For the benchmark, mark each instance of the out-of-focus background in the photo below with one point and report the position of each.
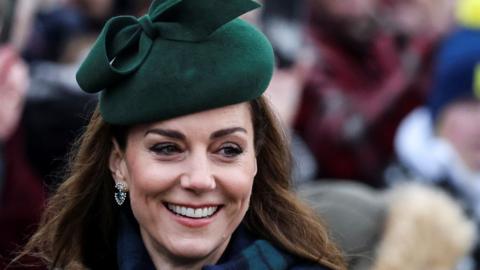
(380, 98)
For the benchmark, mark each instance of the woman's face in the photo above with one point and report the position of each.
(190, 180)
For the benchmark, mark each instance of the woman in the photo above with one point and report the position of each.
(182, 165)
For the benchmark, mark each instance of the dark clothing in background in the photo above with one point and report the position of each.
(52, 31)
(53, 120)
(354, 99)
(22, 199)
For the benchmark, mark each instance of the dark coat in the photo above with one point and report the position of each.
(244, 252)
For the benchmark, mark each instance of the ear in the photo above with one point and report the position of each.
(256, 167)
(117, 164)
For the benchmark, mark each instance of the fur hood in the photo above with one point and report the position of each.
(424, 229)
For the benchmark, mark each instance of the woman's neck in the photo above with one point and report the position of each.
(165, 260)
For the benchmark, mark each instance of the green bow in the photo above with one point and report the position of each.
(125, 41)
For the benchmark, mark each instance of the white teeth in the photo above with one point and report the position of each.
(198, 213)
(192, 212)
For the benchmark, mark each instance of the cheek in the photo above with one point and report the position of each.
(239, 189)
(464, 136)
(453, 126)
(462, 133)
(147, 183)
(147, 179)
(237, 192)
(238, 183)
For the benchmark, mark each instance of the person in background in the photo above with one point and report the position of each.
(410, 226)
(59, 26)
(21, 190)
(425, 228)
(183, 165)
(439, 143)
(56, 109)
(420, 19)
(363, 82)
(283, 23)
(14, 83)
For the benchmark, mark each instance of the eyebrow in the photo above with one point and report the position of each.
(224, 132)
(180, 136)
(167, 133)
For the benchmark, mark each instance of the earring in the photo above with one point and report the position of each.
(120, 193)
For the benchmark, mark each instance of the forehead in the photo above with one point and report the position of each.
(234, 115)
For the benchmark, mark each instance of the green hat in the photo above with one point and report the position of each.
(183, 56)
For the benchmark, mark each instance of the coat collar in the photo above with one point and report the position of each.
(245, 251)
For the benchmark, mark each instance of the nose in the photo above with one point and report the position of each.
(198, 175)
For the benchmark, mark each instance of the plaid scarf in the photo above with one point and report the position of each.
(244, 252)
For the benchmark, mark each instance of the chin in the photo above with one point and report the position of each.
(194, 249)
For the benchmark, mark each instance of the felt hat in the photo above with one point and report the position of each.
(182, 57)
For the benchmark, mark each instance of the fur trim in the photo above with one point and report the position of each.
(425, 229)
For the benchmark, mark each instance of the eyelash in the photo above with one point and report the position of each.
(166, 149)
(228, 150)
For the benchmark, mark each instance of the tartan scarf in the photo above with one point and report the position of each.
(244, 252)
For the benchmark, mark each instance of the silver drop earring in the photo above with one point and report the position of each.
(120, 193)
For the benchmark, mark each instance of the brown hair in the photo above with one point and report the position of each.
(78, 228)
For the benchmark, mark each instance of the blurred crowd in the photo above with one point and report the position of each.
(381, 100)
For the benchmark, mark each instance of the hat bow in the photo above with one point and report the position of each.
(126, 41)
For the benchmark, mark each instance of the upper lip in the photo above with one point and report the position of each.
(189, 205)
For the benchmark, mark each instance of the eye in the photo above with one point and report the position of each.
(230, 150)
(166, 149)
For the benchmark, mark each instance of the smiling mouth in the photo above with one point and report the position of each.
(190, 212)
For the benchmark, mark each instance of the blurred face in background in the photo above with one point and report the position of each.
(351, 18)
(349, 9)
(97, 9)
(413, 17)
(459, 124)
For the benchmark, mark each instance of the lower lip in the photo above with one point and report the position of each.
(193, 222)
